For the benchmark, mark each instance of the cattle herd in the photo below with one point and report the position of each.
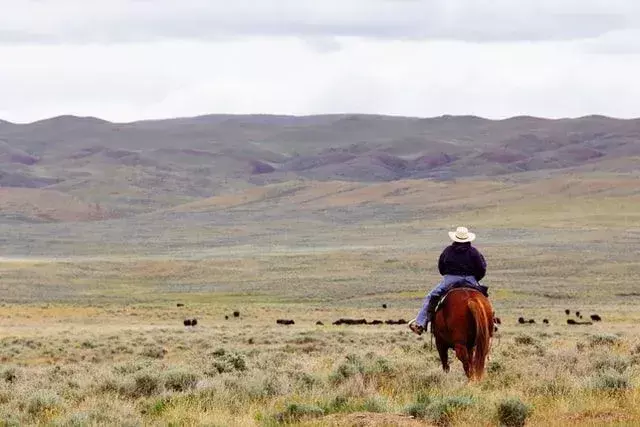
(570, 321)
(347, 321)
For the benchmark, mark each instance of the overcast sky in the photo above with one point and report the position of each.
(124, 60)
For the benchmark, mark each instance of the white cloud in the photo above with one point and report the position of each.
(125, 60)
(86, 21)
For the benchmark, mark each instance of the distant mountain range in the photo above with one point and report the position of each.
(102, 170)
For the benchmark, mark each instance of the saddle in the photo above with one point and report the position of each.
(458, 285)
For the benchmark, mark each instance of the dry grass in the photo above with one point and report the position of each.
(99, 340)
(111, 349)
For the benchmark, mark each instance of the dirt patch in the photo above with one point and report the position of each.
(367, 419)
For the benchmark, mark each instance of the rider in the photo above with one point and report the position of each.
(459, 262)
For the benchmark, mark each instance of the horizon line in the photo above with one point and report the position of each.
(344, 114)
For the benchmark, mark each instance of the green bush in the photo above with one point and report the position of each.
(180, 380)
(512, 412)
(44, 403)
(611, 381)
(296, 412)
(145, 384)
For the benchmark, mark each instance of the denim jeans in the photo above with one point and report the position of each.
(445, 284)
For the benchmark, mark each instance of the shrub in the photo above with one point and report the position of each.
(606, 362)
(154, 352)
(375, 404)
(417, 409)
(296, 412)
(350, 367)
(438, 410)
(44, 403)
(611, 381)
(145, 384)
(495, 367)
(9, 374)
(524, 339)
(441, 410)
(513, 412)
(180, 380)
(228, 362)
(604, 339)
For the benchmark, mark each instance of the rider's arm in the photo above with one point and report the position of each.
(441, 267)
(480, 267)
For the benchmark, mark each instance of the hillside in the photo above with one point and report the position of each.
(148, 166)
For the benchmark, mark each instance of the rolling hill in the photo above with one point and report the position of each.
(339, 169)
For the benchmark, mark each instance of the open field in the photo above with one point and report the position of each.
(91, 334)
(99, 340)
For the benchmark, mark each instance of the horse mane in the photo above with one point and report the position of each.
(483, 337)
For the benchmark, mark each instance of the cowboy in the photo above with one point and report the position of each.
(460, 264)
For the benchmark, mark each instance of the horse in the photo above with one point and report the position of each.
(464, 323)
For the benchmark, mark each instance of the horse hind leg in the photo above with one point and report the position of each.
(463, 355)
(443, 351)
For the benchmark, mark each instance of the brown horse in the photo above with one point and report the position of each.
(464, 323)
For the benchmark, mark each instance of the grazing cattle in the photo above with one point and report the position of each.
(532, 321)
(226, 317)
(376, 322)
(497, 321)
(573, 322)
(236, 314)
(577, 314)
(187, 322)
(285, 322)
(546, 321)
(596, 318)
(495, 328)
(384, 305)
(179, 304)
(567, 311)
(319, 323)
(194, 322)
(521, 320)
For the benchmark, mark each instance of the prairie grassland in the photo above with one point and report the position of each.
(98, 339)
(101, 342)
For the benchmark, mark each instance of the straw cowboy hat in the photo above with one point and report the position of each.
(462, 235)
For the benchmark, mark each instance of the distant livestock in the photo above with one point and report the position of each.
(567, 311)
(343, 321)
(179, 304)
(384, 305)
(236, 313)
(497, 321)
(573, 322)
(319, 323)
(521, 320)
(187, 322)
(194, 322)
(545, 321)
(595, 318)
(285, 322)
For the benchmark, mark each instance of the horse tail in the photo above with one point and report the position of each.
(483, 336)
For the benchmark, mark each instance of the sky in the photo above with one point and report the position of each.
(126, 60)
